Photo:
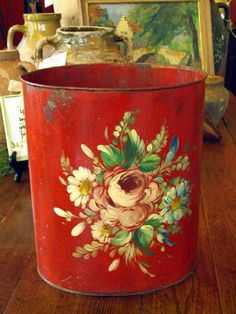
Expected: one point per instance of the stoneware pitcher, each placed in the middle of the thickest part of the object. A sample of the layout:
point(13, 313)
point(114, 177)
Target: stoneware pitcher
point(87, 44)
point(220, 27)
point(216, 98)
point(36, 26)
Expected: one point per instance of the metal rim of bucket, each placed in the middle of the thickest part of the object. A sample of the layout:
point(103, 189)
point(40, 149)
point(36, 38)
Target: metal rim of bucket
point(122, 294)
point(26, 78)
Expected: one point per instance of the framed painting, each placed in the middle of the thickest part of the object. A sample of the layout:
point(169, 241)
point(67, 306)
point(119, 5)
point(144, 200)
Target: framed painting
point(12, 107)
point(159, 31)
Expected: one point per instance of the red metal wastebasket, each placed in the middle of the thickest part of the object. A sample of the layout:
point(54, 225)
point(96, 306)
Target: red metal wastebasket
point(114, 155)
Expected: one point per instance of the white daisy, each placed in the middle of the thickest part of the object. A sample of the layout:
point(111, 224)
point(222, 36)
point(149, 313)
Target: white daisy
point(174, 203)
point(80, 186)
point(101, 232)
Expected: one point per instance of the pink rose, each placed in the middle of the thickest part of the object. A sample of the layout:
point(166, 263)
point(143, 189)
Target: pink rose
point(126, 198)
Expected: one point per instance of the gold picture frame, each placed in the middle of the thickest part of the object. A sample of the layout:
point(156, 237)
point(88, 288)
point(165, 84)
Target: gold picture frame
point(202, 19)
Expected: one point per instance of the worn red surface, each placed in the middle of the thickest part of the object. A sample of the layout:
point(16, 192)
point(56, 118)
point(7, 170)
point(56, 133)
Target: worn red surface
point(59, 119)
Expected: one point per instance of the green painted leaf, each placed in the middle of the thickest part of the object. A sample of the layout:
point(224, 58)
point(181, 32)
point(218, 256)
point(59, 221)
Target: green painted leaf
point(134, 148)
point(99, 178)
point(159, 179)
point(154, 220)
point(143, 236)
point(149, 163)
point(111, 155)
point(97, 170)
point(115, 141)
point(159, 142)
point(175, 229)
point(175, 181)
point(129, 153)
point(121, 238)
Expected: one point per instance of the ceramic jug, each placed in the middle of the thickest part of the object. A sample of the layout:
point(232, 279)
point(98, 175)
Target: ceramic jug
point(220, 24)
point(36, 26)
point(86, 44)
point(216, 98)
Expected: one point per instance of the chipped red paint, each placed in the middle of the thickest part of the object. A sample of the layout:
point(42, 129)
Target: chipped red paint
point(69, 106)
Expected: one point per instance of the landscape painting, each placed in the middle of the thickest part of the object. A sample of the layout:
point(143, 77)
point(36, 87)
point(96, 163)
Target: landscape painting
point(158, 32)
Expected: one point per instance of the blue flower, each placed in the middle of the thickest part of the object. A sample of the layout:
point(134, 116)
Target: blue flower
point(173, 205)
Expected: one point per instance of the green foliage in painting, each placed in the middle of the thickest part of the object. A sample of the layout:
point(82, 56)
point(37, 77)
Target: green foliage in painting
point(111, 155)
point(143, 236)
point(121, 238)
point(99, 16)
point(160, 26)
point(149, 163)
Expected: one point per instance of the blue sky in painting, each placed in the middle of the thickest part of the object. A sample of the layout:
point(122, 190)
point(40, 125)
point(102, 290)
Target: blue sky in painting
point(116, 11)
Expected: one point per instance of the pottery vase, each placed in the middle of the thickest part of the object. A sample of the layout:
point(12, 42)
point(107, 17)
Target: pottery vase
point(216, 98)
point(220, 33)
point(36, 26)
point(86, 44)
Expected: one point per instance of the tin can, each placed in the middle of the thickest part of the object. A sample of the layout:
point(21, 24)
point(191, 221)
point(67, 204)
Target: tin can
point(114, 156)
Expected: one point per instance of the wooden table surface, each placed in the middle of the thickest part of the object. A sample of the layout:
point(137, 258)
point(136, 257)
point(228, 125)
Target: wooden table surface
point(211, 289)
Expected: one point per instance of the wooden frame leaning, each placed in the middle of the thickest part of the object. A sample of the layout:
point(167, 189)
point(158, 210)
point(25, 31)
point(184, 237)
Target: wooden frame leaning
point(161, 31)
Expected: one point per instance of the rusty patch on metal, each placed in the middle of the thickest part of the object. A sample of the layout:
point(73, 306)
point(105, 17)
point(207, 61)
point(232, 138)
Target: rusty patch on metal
point(58, 99)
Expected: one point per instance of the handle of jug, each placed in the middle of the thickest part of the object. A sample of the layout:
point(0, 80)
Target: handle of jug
point(125, 46)
point(24, 67)
point(42, 43)
point(226, 9)
point(11, 32)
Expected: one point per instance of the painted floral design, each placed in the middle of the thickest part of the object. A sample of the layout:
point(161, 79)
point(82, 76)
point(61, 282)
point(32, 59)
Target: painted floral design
point(132, 199)
point(80, 186)
point(174, 203)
